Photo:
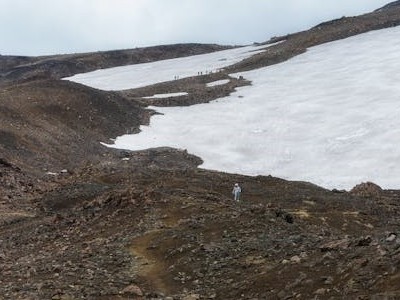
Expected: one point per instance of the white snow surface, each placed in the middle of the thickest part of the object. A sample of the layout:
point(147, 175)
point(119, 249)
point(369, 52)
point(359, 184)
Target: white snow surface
point(330, 116)
point(218, 82)
point(139, 75)
point(169, 95)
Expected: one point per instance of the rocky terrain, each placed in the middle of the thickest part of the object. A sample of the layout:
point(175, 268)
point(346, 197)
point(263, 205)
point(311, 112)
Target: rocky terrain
point(82, 221)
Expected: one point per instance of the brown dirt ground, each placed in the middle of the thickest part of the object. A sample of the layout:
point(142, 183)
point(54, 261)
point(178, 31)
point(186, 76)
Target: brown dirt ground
point(81, 221)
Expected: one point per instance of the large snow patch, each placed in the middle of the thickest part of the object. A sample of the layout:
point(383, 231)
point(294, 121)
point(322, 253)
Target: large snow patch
point(330, 116)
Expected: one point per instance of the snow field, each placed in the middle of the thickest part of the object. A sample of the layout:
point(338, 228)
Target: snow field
point(330, 116)
point(169, 95)
point(218, 82)
point(139, 75)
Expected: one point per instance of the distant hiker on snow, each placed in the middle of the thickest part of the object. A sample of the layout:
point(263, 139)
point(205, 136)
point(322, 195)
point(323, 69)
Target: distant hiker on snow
point(236, 192)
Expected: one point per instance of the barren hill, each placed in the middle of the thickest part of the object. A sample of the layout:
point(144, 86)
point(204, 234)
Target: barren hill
point(21, 68)
point(82, 221)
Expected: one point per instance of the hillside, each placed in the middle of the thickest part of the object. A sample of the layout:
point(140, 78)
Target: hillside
point(83, 221)
point(21, 68)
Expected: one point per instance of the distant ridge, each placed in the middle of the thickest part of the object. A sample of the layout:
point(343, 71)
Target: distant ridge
point(390, 5)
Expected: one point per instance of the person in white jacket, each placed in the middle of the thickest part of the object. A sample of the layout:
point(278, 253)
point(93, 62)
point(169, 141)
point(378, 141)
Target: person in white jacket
point(236, 192)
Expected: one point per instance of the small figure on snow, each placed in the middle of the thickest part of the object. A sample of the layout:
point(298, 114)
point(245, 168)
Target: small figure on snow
point(236, 192)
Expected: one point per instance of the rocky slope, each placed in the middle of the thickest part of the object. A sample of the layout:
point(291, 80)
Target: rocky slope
point(21, 68)
point(81, 221)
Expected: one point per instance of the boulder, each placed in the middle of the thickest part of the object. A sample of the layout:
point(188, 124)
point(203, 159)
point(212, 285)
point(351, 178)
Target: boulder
point(132, 289)
point(366, 189)
point(335, 245)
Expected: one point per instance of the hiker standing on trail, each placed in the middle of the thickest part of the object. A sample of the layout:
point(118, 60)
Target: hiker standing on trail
point(236, 192)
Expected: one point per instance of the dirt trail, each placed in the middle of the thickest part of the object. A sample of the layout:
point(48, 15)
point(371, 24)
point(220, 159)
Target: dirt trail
point(152, 266)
